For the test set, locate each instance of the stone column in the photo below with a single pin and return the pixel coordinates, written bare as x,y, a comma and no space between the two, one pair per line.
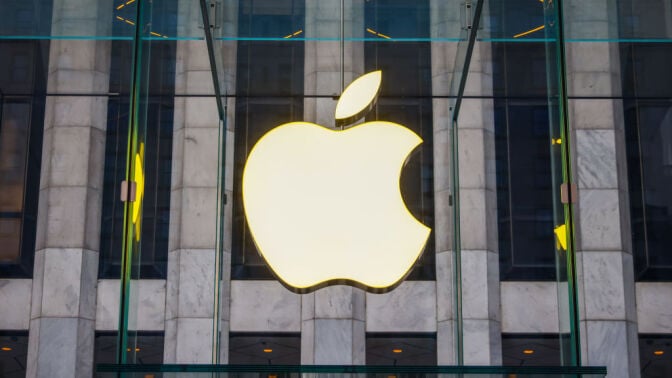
193,210
478,217
445,22
604,254
63,308
333,327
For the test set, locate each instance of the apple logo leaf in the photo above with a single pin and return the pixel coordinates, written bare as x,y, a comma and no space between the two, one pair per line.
358,98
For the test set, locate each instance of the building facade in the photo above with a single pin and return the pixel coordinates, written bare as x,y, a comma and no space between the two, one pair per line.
545,174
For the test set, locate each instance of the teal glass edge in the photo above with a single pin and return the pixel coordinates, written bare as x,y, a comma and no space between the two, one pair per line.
573,309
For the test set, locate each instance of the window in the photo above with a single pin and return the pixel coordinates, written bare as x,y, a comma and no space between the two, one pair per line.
400,349
532,349
264,349
647,92
522,146
269,92
13,353
148,348
159,105
654,356
22,104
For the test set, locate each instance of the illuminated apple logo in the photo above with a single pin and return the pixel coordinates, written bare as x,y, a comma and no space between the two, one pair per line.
324,206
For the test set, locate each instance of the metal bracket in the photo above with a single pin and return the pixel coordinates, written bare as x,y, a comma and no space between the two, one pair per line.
212,10
126,195
568,193
467,15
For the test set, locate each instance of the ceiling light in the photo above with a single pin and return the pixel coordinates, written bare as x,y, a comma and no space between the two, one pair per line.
6,349
528,351
397,350
658,352
268,350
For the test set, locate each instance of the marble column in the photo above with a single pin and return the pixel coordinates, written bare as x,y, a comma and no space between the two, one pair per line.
189,317
63,308
481,325
333,326
608,319
445,23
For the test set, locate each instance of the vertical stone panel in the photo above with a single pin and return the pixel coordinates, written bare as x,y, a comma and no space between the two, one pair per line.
63,305
608,319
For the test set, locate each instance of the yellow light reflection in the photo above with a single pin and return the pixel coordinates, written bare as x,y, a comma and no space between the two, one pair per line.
294,34
561,237
529,31
381,35
139,178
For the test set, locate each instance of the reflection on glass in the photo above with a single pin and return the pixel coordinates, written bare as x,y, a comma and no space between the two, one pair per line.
157,158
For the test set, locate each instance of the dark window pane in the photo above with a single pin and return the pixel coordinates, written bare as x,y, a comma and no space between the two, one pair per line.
23,18
524,191
264,349
22,104
532,349
13,353
648,129
654,356
148,348
401,349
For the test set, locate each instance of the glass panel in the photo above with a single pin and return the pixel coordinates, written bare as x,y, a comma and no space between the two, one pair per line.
514,111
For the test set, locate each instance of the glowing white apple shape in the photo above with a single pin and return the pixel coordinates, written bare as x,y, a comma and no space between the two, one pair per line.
324,206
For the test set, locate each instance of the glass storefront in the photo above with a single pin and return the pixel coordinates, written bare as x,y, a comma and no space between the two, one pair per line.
158,104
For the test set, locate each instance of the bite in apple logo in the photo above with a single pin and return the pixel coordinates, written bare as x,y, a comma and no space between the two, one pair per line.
324,206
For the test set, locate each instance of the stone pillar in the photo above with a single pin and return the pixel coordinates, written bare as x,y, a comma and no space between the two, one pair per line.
608,319
193,210
63,308
333,326
478,217
445,22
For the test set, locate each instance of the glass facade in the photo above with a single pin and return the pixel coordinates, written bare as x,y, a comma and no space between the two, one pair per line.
543,174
